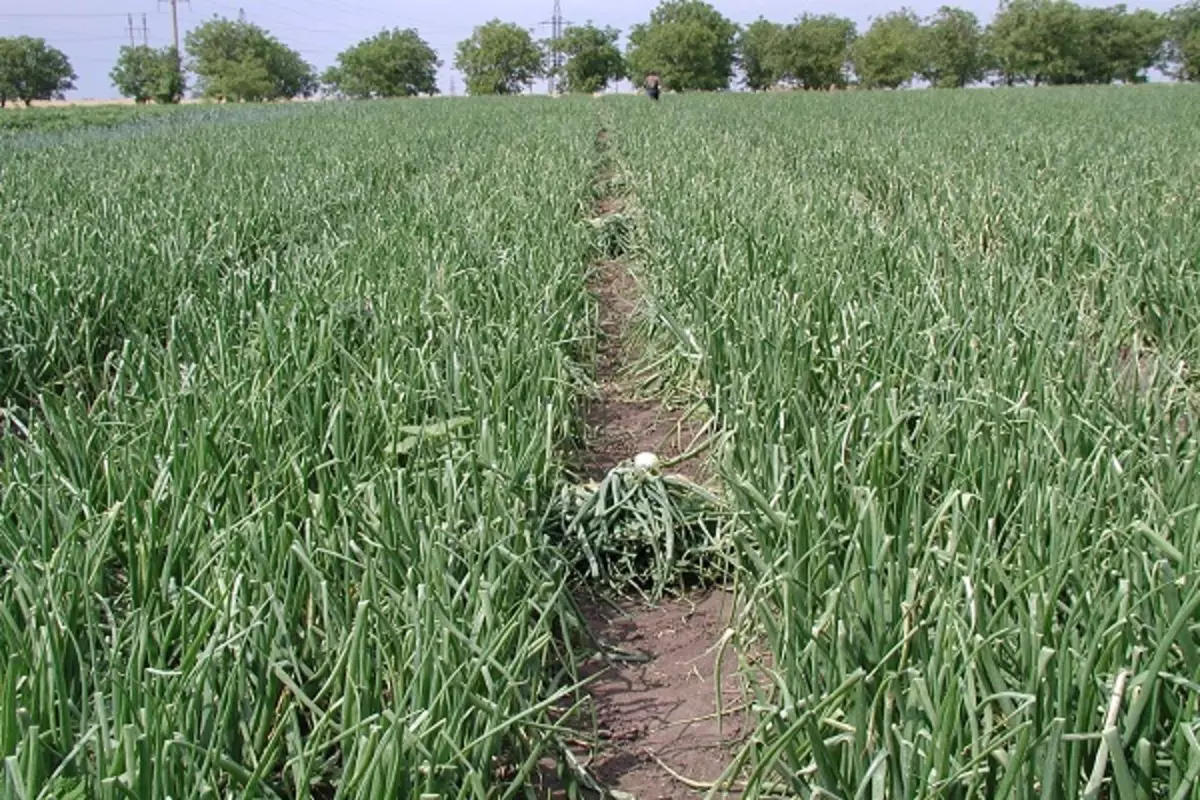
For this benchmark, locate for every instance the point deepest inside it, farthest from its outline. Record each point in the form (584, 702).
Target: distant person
(653, 86)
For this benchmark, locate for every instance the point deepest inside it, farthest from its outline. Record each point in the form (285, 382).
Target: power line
(57, 16)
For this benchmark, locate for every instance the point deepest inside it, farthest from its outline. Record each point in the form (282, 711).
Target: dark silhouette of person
(653, 86)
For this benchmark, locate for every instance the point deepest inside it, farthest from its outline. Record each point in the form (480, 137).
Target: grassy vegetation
(286, 396)
(285, 403)
(952, 339)
(47, 119)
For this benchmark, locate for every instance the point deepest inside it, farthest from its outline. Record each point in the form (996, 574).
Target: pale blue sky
(91, 31)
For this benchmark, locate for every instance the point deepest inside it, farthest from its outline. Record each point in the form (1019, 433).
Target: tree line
(688, 43)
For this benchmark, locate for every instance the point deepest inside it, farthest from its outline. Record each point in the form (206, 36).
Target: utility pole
(557, 26)
(130, 29)
(145, 31)
(174, 20)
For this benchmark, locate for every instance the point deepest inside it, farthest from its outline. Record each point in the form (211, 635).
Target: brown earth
(661, 733)
(620, 424)
(660, 717)
(660, 736)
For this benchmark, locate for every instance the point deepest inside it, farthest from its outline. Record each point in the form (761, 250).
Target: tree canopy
(758, 46)
(890, 53)
(687, 43)
(237, 60)
(1118, 45)
(144, 73)
(1059, 42)
(1183, 41)
(32, 70)
(499, 58)
(815, 52)
(392, 63)
(954, 54)
(593, 58)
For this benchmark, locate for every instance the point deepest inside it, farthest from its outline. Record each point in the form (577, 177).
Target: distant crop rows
(953, 341)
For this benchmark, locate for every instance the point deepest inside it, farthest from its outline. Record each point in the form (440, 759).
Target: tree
(687, 43)
(1008, 41)
(758, 47)
(954, 54)
(499, 58)
(395, 63)
(889, 54)
(816, 51)
(240, 61)
(1059, 42)
(1183, 45)
(593, 59)
(1036, 40)
(145, 74)
(32, 70)
(173, 82)
(1116, 45)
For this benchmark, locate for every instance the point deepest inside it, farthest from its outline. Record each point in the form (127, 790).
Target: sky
(91, 32)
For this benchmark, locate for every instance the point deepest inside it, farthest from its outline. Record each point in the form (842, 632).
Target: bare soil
(660, 717)
(620, 424)
(659, 731)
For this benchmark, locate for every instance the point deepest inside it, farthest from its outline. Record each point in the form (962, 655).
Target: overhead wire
(342, 19)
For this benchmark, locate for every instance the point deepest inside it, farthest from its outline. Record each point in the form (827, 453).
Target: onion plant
(970, 540)
(284, 397)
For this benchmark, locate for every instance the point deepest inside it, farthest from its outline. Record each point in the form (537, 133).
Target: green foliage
(966, 529)
(758, 49)
(57, 119)
(1183, 50)
(689, 44)
(1118, 45)
(499, 58)
(32, 70)
(239, 61)
(641, 532)
(954, 49)
(282, 405)
(593, 58)
(1037, 41)
(145, 74)
(816, 51)
(890, 53)
(395, 63)
(1059, 42)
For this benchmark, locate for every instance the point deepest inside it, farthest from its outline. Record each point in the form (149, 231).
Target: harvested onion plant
(642, 531)
(951, 338)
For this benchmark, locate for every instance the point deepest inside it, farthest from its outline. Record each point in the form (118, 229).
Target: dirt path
(657, 717)
(619, 423)
(659, 726)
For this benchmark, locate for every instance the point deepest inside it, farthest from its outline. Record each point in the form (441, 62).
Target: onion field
(290, 397)
(284, 394)
(952, 342)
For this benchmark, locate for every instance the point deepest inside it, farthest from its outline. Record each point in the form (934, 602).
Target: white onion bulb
(645, 461)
